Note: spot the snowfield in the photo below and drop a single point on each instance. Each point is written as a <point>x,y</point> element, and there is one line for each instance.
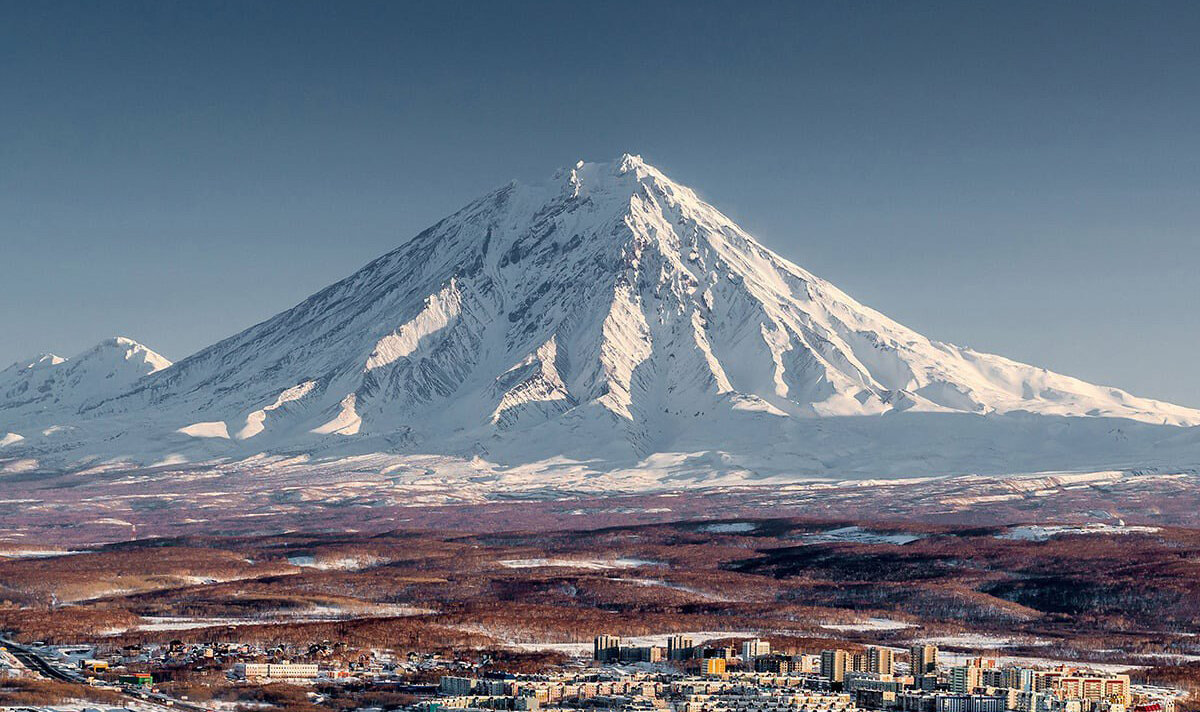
<point>1042,533</point>
<point>607,321</point>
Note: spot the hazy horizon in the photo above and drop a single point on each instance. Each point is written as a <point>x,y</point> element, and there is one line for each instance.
<point>1019,178</point>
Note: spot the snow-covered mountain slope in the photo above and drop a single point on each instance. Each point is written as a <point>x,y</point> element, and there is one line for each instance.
<point>52,387</point>
<point>609,314</point>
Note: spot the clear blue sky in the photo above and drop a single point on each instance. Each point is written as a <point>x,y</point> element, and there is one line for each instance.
<point>1023,178</point>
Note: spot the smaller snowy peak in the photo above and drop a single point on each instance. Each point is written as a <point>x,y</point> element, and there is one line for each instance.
<point>39,362</point>
<point>50,386</point>
<point>124,348</point>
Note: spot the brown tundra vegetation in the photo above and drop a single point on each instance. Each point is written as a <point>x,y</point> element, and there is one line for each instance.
<point>1071,595</point>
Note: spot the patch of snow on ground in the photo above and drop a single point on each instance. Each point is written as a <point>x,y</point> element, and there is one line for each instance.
<point>975,640</point>
<point>955,658</point>
<point>598,564</point>
<point>1042,533</point>
<point>315,614</point>
<point>36,553</point>
<point>869,624</point>
<point>673,586</point>
<point>1174,657</point>
<point>862,536</point>
<point>729,528</point>
<point>210,429</point>
<point>345,563</point>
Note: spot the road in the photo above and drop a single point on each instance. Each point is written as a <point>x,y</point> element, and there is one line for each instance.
<point>38,665</point>
<point>154,701</point>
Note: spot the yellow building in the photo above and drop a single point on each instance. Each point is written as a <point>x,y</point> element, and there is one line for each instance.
<point>714,666</point>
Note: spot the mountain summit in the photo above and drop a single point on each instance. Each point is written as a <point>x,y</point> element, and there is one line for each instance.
<point>609,315</point>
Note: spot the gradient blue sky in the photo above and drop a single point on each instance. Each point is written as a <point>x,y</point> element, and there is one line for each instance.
<point>1019,177</point>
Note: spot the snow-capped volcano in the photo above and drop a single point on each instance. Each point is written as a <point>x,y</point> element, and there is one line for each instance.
<point>609,313</point>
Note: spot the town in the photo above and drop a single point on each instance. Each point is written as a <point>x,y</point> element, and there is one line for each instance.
<point>687,674</point>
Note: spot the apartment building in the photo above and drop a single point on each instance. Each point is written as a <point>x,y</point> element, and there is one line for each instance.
<point>834,664</point>
<point>752,649</point>
<point>881,660</point>
<point>1114,688</point>
<point>276,671</point>
<point>923,659</point>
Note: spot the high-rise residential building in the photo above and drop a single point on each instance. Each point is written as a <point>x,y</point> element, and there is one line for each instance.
<point>680,647</point>
<point>1094,687</point>
<point>777,664</point>
<point>965,678</point>
<point>856,661</point>
<point>881,660</point>
<point>752,649</point>
<point>1026,701</point>
<point>1018,678</point>
<point>834,664</point>
<point>1046,680</point>
<point>640,654</point>
<point>923,659</point>
<point>993,677</point>
<point>725,653</point>
<point>606,648</point>
<point>714,666</point>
